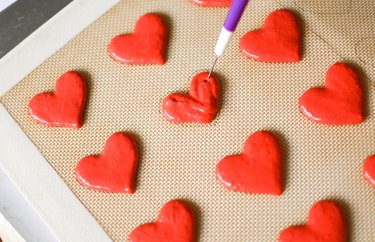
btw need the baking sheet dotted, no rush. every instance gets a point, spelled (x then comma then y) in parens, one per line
(178, 161)
(27, 169)
(346, 26)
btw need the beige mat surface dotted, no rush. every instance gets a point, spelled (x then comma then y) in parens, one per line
(178, 161)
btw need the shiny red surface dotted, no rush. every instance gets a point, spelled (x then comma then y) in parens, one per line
(200, 105)
(278, 41)
(175, 223)
(326, 223)
(339, 102)
(258, 169)
(147, 45)
(213, 3)
(65, 106)
(114, 170)
(369, 170)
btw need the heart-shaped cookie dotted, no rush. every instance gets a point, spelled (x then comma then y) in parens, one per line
(213, 3)
(114, 170)
(326, 223)
(64, 107)
(339, 102)
(369, 170)
(175, 223)
(146, 45)
(278, 41)
(257, 170)
(200, 105)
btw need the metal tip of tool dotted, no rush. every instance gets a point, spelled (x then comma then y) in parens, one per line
(212, 68)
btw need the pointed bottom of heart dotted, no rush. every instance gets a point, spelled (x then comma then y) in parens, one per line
(326, 223)
(175, 223)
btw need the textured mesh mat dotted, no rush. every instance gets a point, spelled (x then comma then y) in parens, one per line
(178, 161)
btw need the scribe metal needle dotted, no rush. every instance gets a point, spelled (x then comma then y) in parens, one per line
(212, 68)
(234, 15)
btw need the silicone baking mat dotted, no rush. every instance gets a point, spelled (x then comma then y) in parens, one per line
(178, 161)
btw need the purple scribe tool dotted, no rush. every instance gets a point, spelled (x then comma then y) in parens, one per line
(234, 15)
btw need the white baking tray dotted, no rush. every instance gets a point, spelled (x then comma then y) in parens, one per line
(57, 206)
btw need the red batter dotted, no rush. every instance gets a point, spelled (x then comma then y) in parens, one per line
(213, 3)
(146, 45)
(339, 102)
(200, 106)
(278, 41)
(326, 223)
(64, 107)
(257, 170)
(369, 170)
(114, 170)
(175, 223)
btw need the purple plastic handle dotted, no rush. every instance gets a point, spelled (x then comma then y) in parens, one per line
(234, 14)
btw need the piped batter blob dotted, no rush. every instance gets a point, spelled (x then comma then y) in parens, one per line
(369, 170)
(147, 45)
(278, 41)
(258, 170)
(340, 102)
(326, 223)
(175, 223)
(65, 106)
(213, 3)
(114, 170)
(199, 106)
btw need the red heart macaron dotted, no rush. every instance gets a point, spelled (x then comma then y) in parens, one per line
(114, 170)
(213, 3)
(175, 223)
(339, 102)
(146, 45)
(369, 170)
(200, 105)
(64, 107)
(278, 41)
(326, 223)
(257, 170)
